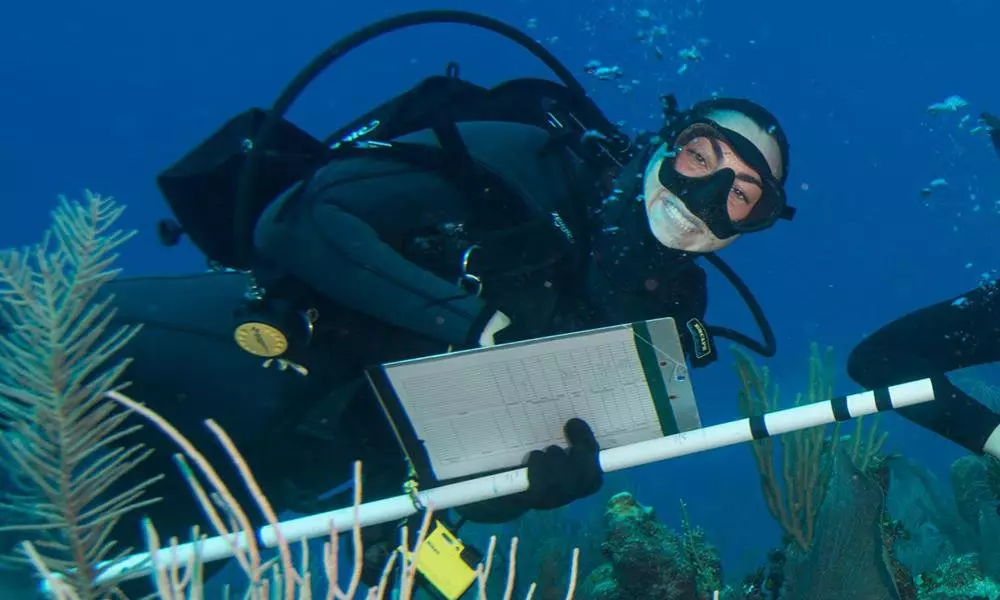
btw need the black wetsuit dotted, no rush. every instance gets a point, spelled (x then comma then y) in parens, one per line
(394, 231)
(961, 332)
(378, 243)
(383, 241)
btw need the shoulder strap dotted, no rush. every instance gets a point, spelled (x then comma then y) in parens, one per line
(418, 108)
(443, 100)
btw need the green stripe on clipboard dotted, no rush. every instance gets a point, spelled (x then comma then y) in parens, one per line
(654, 377)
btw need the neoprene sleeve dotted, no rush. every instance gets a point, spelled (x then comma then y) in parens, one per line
(961, 332)
(333, 240)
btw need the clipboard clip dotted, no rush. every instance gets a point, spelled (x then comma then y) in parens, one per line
(412, 489)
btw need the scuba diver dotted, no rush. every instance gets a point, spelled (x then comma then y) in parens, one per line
(452, 216)
(960, 332)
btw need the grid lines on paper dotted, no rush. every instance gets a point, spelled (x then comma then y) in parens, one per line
(523, 403)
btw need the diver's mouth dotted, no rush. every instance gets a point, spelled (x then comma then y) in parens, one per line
(680, 217)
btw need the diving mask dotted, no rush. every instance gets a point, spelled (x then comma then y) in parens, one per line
(691, 171)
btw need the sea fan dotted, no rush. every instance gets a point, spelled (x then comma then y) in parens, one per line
(62, 440)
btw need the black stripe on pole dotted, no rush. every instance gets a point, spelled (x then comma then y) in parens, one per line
(883, 401)
(839, 406)
(758, 428)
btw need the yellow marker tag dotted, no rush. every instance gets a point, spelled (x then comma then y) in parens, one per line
(261, 339)
(446, 563)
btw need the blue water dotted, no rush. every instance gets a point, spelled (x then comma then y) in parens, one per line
(105, 94)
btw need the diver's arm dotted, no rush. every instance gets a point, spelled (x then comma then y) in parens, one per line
(930, 342)
(344, 259)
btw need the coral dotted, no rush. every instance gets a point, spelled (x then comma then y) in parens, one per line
(976, 486)
(646, 560)
(764, 583)
(61, 439)
(62, 424)
(929, 516)
(852, 552)
(794, 488)
(958, 578)
(974, 481)
(284, 577)
(548, 537)
(701, 555)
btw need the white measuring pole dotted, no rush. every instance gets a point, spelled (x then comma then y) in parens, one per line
(512, 482)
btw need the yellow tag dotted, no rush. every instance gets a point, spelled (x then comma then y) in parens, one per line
(443, 560)
(261, 339)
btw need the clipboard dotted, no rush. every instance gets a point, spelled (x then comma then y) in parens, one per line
(481, 410)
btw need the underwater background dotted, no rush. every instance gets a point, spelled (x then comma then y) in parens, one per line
(105, 94)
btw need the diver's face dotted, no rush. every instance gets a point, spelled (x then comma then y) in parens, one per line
(670, 221)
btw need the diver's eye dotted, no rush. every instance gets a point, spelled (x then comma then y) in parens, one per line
(697, 156)
(740, 195)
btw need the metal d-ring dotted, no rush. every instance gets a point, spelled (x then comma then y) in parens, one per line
(310, 316)
(470, 281)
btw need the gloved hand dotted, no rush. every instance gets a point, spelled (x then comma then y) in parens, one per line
(557, 476)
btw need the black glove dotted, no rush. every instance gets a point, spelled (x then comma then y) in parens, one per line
(557, 477)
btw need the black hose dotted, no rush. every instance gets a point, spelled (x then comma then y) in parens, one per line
(770, 347)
